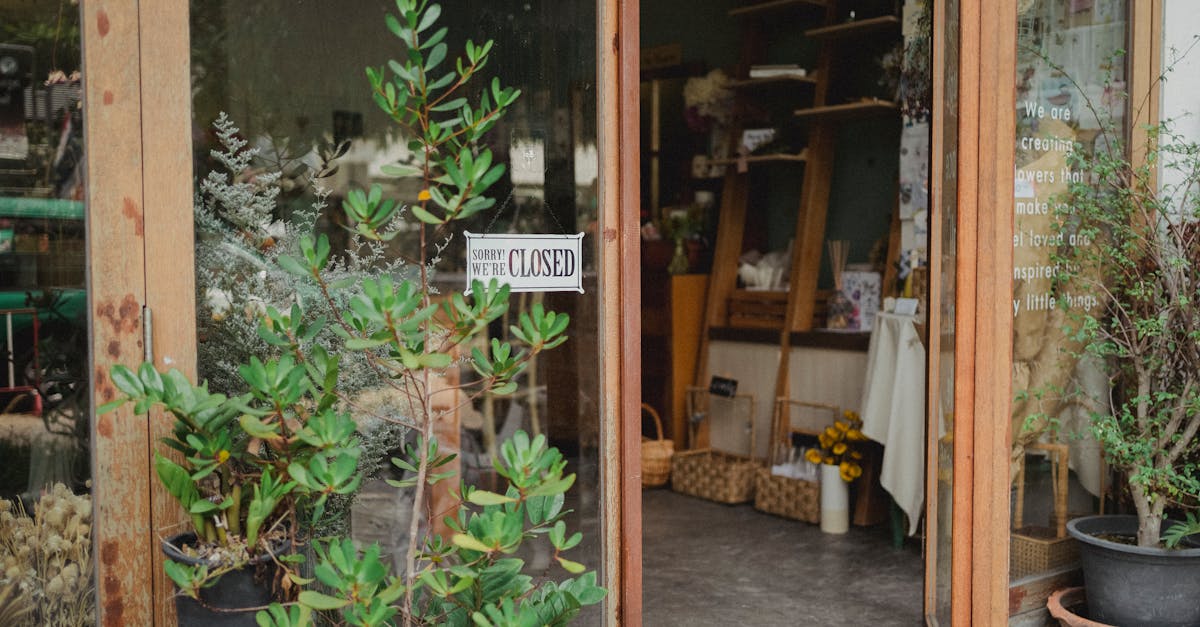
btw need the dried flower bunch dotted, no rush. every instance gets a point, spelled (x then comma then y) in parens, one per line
(708, 100)
(837, 446)
(46, 558)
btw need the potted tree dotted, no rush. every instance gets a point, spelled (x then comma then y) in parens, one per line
(255, 472)
(1131, 227)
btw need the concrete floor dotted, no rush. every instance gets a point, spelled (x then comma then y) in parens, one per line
(711, 564)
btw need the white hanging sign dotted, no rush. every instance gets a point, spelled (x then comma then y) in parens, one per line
(528, 263)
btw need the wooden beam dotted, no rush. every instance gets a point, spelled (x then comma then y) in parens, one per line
(620, 315)
(116, 292)
(1144, 67)
(992, 323)
(731, 227)
(964, 303)
(170, 277)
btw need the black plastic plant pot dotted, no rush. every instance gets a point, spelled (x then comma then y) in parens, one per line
(1135, 586)
(247, 587)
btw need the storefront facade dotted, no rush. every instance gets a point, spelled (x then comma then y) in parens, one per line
(138, 61)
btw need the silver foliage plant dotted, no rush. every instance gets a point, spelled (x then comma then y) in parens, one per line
(239, 238)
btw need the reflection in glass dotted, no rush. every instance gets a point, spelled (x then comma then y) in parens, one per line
(45, 503)
(290, 78)
(1069, 60)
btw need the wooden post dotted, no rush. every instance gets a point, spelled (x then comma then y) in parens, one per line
(620, 309)
(116, 291)
(171, 269)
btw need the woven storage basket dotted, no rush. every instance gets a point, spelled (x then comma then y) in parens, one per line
(1036, 549)
(712, 474)
(797, 499)
(656, 454)
(784, 496)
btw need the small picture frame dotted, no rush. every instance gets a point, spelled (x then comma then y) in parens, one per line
(720, 386)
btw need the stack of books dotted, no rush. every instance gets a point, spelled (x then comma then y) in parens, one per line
(786, 70)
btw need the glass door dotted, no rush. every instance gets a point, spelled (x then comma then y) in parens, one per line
(304, 127)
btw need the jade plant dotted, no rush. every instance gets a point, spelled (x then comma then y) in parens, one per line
(255, 471)
(1133, 216)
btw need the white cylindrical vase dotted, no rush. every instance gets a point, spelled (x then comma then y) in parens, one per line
(835, 501)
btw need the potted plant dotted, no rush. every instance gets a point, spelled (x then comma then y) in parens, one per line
(255, 472)
(1131, 231)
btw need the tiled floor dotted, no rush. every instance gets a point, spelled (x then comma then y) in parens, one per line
(711, 564)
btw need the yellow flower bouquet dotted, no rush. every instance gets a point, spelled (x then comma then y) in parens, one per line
(836, 446)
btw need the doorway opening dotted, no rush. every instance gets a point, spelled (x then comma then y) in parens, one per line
(785, 179)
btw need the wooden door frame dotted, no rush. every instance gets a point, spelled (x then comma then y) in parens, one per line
(983, 332)
(621, 428)
(139, 200)
(983, 366)
(983, 349)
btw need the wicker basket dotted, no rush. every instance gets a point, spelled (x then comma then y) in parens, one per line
(656, 454)
(713, 475)
(1036, 549)
(784, 496)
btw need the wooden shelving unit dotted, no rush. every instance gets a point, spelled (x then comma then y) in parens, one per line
(855, 28)
(774, 5)
(789, 314)
(865, 108)
(769, 158)
(774, 81)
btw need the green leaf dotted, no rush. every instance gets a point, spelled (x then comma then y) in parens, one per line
(360, 343)
(151, 380)
(485, 498)
(323, 602)
(436, 56)
(394, 25)
(450, 105)
(290, 265)
(425, 216)
(400, 170)
(435, 360)
(110, 406)
(257, 428)
(470, 543)
(574, 568)
(126, 380)
(504, 389)
(431, 15)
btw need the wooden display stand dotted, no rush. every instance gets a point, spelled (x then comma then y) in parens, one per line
(796, 308)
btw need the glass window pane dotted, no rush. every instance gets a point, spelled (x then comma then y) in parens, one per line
(290, 78)
(45, 479)
(1069, 67)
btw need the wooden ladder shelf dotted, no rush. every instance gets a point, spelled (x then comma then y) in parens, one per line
(792, 310)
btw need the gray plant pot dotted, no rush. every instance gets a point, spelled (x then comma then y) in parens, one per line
(1134, 586)
(248, 587)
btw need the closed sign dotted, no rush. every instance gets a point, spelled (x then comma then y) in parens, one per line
(528, 263)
